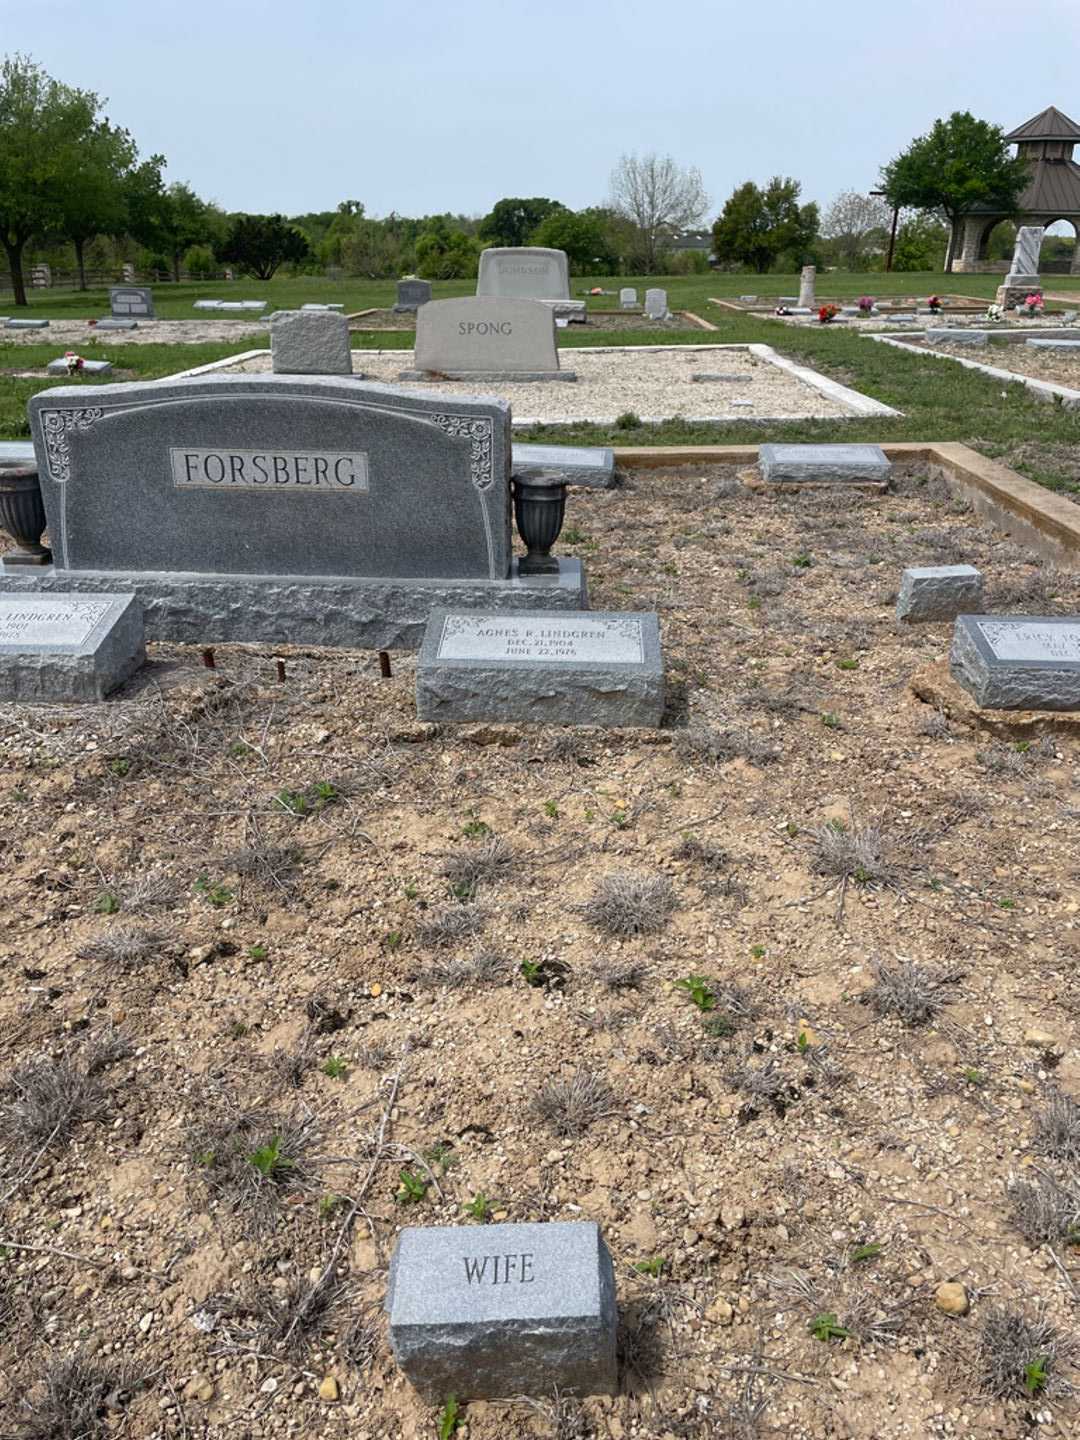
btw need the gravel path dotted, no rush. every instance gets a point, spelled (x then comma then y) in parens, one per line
(66, 334)
(654, 384)
(1058, 367)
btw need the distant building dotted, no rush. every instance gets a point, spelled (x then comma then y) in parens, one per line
(1046, 142)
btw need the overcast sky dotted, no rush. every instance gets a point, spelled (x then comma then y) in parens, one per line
(425, 107)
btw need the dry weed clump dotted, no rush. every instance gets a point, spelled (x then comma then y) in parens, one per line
(1057, 1129)
(717, 747)
(569, 1107)
(486, 967)
(618, 975)
(1045, 1210)
(249, 1159)
(628, 903)
(855, 853)
(125, 947)
(76, 1399)
(451, 924)
(908, 991)
(1022, 1358)
(46, 1099)
(465, 869)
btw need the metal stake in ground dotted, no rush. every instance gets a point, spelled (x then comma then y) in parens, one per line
(384, 664)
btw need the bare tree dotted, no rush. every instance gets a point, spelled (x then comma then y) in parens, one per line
(657, 197)
(853, 222)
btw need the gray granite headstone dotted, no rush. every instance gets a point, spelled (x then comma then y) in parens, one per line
(537, 669)
(939, 592)
(411, 294)
(627, 298)
(823, 463)
(487, 336)
(59, 366)
(28, 324)
(956, 336)
(310, 342)
(1053, 344)
(529, 272)
(807, 282)
(57, 649)
(286, 509)
(128, 302)
(656, 306)
(486, 1312)
(110, 323)
(1018, 662)
(581, 464)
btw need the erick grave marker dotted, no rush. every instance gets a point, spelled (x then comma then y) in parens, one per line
(1018, 662)
(823, 464)
(305, 510)
(488, 1312)
(480, 338)
(131, 302)
(596, 668)
(60, 648)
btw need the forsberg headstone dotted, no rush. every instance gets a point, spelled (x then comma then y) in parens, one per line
(310, 510)
(1018, 662)
(131, 302)
(587, 669)
(486, 1312)
(485, 337)
(57, 649)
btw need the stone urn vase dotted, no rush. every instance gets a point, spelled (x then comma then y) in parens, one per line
(22, 515)
(539, 507)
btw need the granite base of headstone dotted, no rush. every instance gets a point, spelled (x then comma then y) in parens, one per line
(411, 294)
(939, 592)
(63, 649)
(535, 669)
(823, 464)
(488, 1312)
(310, 342)
(1018, 662)
(592, 465)
(281, 509)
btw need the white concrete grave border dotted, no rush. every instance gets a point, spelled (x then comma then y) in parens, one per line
(857, 404)
(1041, 389)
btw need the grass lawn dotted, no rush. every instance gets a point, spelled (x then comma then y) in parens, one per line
(940, 400)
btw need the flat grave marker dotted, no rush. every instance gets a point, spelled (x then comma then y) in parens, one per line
(823, 464)
(487, 1312)
(59, 649)
(1018, 662)
(110, 323)
(939, 592)
(59, 366)
(590, 668)
(1053, 344)
(581, 464)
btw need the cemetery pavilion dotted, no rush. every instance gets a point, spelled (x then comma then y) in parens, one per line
(1046, 142)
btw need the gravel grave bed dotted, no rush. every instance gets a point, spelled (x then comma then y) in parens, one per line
(286, 921)
(634, 320)
(654, 384)
(1059, 367)
(69, 334)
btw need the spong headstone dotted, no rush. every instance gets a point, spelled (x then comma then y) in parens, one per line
(486, 1312)
(484, 336)
(310, 342)
(56, 649)
(1018, 662)
(535, 668)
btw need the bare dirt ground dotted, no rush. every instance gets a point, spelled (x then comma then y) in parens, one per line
(68, 334)
(803, 1008)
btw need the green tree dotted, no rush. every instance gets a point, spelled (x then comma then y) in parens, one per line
(512, 221)
(45, 129)
(445, 254)
(168, 219)
(583, 235)
(93, 200)
(757, 226)
(962, 164)
(921, 242)
(658, 199)
(259, 244)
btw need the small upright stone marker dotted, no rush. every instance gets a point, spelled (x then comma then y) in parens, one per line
(56, 649)
(939, 592)
(823, 464)
(1018, 662)
(487, 1312)
(656, 307)
(628, 298)
(127, 302)
(310, 342)
(807, 283)
(536, 668)
(411, 294)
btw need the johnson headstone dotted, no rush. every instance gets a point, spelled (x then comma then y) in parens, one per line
(486, 1312)
(1018, 662)
(595, 668)
(57, 649)
(529, 272)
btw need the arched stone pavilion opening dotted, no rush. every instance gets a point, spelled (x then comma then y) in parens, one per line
(1046, 142)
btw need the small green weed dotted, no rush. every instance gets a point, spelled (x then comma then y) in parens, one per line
(653, 1266)
(830, 721)
(449, 1418)
(218, 895)
(479, 1207)
(627, 421)
(106, 903)
(257, 952)
(697, 988)
(441, 1154)
(269, 1161)
(826, 1327)
(393, 940)
(474, 829)
(120, 766)
(758, 952)
(1035, 1376)
(620, 819)
(803, 561)
(413, 1188)
(410, 892)
(847, 664)
(551, 810)
(335, 1067)
(862, 1253)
